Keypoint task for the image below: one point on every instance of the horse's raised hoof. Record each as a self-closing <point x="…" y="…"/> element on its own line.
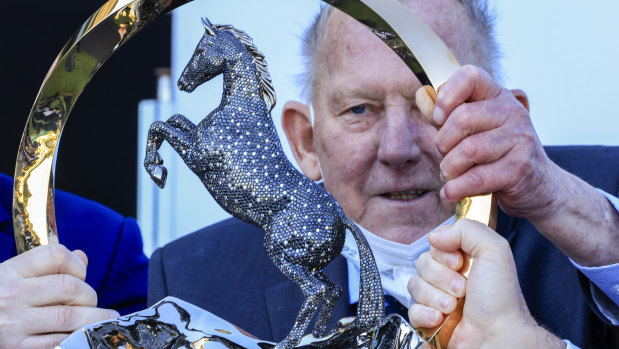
<point x="159" y="174"/>
<point x="158" y="159"/>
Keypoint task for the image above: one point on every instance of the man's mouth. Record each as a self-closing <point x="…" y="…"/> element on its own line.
<point x="405" y="195"/>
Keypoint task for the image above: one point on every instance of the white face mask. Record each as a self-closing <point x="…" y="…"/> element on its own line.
<point x="396" y="262"/>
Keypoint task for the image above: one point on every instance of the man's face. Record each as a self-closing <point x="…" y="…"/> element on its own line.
<point x="376" y="151"/>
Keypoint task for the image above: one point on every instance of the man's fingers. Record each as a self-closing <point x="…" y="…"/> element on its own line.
<point x="48" y="259"/>
<point x="425" y="294"/>
<point x="468" y="119"/>
<point x="64" y="318"/>
<point x="485" y="178"/>
<point x="477" y="149"/>
<point x="422" y="316"/>
<point x="467" y="84"/>
<point x="441" y="276"/>
<point x="58" y="289"/>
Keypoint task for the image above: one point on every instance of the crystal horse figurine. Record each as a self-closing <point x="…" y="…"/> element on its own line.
<point x="236" y="153"/>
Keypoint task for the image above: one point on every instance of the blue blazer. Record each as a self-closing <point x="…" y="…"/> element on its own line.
<point x="224" y="269"/>
<point x="117" y="266"/>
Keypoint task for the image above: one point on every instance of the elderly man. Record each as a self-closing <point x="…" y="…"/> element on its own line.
<point x="397" y="163"/>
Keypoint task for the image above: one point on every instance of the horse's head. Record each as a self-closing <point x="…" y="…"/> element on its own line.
<point x="207" y="60"/>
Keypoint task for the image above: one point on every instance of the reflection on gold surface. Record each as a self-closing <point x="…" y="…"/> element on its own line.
<point x="480" y="208"/>
<point x="125" y="19"/>
<point x="407" y="35"/>
<point x="33" y="199"/>
<point x="95" y="41"/>
<point x="32" y="190"/>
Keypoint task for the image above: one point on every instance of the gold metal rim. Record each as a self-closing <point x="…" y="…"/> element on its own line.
<point x="114" y="24"/>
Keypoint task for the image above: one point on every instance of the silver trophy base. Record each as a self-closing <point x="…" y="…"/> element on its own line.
<point x="173" y="323"/>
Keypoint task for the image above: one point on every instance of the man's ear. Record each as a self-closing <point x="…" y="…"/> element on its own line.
<point x="521" y="97"/>
<point x="298" y="128"/>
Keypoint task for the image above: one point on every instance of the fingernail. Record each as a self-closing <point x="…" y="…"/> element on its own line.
<point x="445" y="302"/>
<point x="114" y="314"/>
<point x="438" y="152"/>
<point x="442" y="176"/>
<point x="438" y="116"/>
<point x="457" y="286"/>
<point x="432" y="315"/>
<point x="442" y="194"/>
<point x="431" y="93"/>
<point x="432" y="236"/>
<point x="453" y="261"/>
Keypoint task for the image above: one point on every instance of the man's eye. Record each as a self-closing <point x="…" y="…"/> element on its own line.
<point x="358" y="109"/>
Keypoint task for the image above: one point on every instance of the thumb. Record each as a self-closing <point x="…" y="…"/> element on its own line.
<point x="473" y="238"/>
<point x="424" y="98"/>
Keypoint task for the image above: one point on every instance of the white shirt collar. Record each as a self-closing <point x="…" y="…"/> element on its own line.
<point x="395" y="261"/>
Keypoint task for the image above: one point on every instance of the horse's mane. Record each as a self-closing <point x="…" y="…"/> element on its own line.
<point x="268" y="92"/>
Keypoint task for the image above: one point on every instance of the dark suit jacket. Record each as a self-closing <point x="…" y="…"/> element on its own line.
<point x="117" y="266"/>
<point x="224" y="269"/>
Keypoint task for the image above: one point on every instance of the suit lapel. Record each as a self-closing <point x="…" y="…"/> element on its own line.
<point x="284" y="300"/>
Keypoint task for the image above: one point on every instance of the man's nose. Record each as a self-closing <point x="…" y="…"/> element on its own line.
<point x="399" y="139"/>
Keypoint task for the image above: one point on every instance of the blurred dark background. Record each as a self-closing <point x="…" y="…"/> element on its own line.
<point x="97" y="154"/>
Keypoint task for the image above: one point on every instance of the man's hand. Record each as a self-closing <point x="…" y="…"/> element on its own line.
<point x="495" y="314"/>
<point x="489" y="145"/>
<point x="43" y="297"/>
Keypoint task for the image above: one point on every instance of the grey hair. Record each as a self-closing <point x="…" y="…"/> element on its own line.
<point x="486" y="52"/>
<point x="310" y="46"/>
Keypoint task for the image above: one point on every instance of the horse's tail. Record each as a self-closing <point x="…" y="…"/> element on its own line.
<point x="371" y="306"/>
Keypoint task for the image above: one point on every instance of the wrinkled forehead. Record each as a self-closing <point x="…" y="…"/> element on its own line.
<point x="448" y="18"/>
<point x="341" y="37"/>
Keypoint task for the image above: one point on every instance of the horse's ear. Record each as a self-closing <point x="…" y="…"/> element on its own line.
<point x="208" y="26"/>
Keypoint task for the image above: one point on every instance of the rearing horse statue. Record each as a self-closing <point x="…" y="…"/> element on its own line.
<point x="236" y="153"/>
